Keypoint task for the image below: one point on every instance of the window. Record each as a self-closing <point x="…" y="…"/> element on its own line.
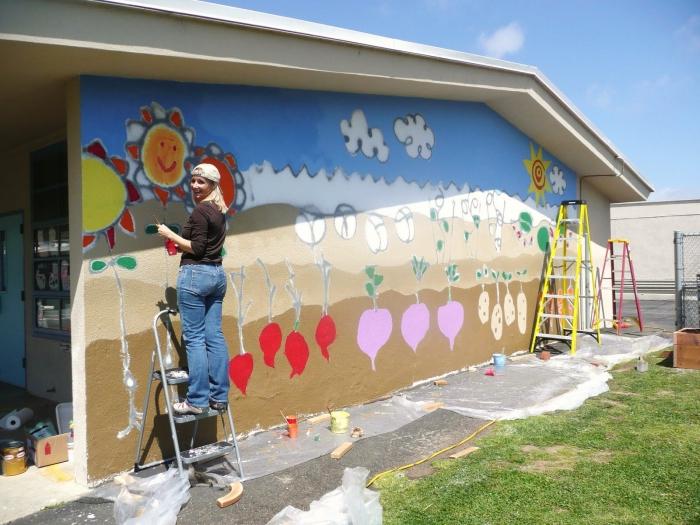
<point x="51" y="254"/>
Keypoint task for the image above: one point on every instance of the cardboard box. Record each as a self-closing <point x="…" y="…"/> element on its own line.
<point x="686" y="348"/>
<point x="48" y="450"/>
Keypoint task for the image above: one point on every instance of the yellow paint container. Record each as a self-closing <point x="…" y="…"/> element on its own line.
<point x="340" y="421"/>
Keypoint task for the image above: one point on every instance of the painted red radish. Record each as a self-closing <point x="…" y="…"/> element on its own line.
<point x="240" y="368"/>
<point x="270" y="338"/>
<point x="451" y="315"/>
<point x="325" y="329"/>
<point x="375" y="325"/>
<point x="296" y="350"/>
<point x="415" y="321"/>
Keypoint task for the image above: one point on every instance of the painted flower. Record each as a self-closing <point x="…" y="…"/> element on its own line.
<point x="106" y="195"/>
<point x="556" y="176"/>
<point x="231" y="182"/>
<point x="159" y="143"/>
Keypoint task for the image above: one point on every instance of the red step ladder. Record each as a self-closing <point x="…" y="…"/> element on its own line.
<point x="620" y="273"/>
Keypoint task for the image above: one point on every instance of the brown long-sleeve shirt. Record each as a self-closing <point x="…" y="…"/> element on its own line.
<point x="206" y="230"/>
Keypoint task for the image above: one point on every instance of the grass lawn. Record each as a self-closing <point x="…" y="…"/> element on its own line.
<point x="631" y="455"/>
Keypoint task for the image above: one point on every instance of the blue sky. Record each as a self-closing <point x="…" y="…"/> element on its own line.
<point x="631" y="66"/>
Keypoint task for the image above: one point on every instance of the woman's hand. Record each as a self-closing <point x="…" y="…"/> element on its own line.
<point x="166" y="232"/>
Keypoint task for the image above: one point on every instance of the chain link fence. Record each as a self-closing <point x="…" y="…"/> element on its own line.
<point x="687" y="261"/>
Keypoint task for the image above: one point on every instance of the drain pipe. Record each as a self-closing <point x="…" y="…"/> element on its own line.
<point x="616" y="175"/>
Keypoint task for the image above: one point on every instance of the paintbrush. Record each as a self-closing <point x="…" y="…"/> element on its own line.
<point x="157" y="221"/>
<point x="284" y="417"/>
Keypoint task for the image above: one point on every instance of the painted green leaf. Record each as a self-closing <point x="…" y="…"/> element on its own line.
<point x="477" y="220"/>
<point x="378" y="279"/>
<point x="151" y="229"/>
<point x="370" y="289"/>
<point x="175" y="228"/>
<point x="524" y="272"/>
<point x="440" y="245"/>
<point x="466" y="236"/>
<point x="543" y="239"/>
<point x="478" y="274"/>
<point x="494" y="274"/>
<point x="369" y="270"/>
<point x="525" y="221"/>
<point x="433" y="214"/>
<point x="98" y="266"/>
<point x="223" y="251"/>
<point x="127" y="262"/>
<point x="445" y="225"/>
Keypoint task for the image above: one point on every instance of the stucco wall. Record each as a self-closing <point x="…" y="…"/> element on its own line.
<point x="48" y="372"/>
<point x="408" y="232"/>
<point x="649" y="228"/>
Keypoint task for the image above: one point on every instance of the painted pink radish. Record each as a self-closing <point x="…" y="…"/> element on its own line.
<point x="240" y="367"/>
<point x="450" y="316"/>
<point x="270" y="338"/>
<point x="296" y="349"/>
<point x="375" y="325"/>
<point x="415" y="321"/>
<point x="325" y="329"/>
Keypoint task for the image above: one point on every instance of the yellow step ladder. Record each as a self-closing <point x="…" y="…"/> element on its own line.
<point x="568" y="301"/>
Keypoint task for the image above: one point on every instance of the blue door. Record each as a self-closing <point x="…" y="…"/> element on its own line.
<point x="11" y="303"/>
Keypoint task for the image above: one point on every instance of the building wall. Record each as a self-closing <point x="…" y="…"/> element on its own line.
<point x="373" y="242"/>
<point x="48" y="372"/>
<point x="649" y="226"/>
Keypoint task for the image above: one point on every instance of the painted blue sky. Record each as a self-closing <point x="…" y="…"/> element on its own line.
<point x="631" y="66"/>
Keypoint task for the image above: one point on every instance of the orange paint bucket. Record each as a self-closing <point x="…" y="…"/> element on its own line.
<point x="292" y="426"/>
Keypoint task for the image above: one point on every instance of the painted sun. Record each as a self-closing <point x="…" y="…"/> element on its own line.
<point x="159" y="142"/>
<point x="536" y="167"/>
<point x="231" y="179"/>
<point x="106" y="195"/>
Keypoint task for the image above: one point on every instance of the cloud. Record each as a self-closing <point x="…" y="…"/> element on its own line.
<point x="599" y="96"/>
<point x="689" y="33"/>
<point x="503" y="41"/>
<point x="414" y="133"/>
<point x="358" y="136"/>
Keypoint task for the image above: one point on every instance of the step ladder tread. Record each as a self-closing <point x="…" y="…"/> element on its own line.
<point x="557" y="316"/>
<point x="564" y="257"/>
<point x="206" y="452"/>
<point x="173" y="376"/>
<point x="559" y="296"/>
<point x="187" y="418"/>
<point x="559" y="337"/>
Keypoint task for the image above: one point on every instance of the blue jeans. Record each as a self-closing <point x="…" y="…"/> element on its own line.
<point x="200" y="292"/>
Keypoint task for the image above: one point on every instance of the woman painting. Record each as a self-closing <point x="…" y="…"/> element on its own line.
<point x="201" y="285"/>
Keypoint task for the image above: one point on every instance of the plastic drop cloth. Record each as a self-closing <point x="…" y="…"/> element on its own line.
<point x="349" y="504"/>
<point x="155" y="500"/>
<point x="526" y="386"/>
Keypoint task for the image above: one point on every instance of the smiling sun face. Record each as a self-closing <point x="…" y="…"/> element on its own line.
<point x="163" y="156"/>
<point x="536" y="167"/>
<point x="160" y="143"/>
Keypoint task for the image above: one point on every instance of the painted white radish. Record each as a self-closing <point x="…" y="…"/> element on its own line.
<point x="451" y="314"/>
<point x="522" y="305"/>
<point x="483" y="305"/>
<point x="345" y="221"/>
<point x="375" y="325"/>
<point x="508" y="304"/>
<point x="375" y="233"/>
<point x="497" y="314"/>
<point x="310" y="227"/>
<point x="403" y="222"/>
<point x="415" y="321"/>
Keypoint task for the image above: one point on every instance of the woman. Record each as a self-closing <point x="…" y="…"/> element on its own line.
<point x="201" y="285"/>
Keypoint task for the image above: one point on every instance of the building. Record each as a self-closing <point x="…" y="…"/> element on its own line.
<point x="404" y="193"/>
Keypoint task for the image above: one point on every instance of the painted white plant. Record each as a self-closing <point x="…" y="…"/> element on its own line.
<point x="522" y="304"/>
<point x="483" y="305"/>
<point x="310" y="227"/>
<point x="376" y="234"/>
<point x="508" y="304"/>
<point x="345" y="221"/>
<point x="497" y="315"/>
<point x="403" y="222"/>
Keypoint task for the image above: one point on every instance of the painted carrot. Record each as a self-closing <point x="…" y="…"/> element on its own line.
<point x="270" y="338"/>
<point x="325" y="329"/>
<point x="375" y="325"/>
<point x="415" y="321"/>
<point x="240" y="368"/>
<point x="296" y="350"/>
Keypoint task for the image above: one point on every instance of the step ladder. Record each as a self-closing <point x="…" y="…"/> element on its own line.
<point x="620" y="272"/>
<point x="177" y="376"/>
<point x="567" y="305"/>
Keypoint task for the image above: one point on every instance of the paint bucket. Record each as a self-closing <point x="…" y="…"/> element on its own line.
<point x="14" y="460"/>
<point x="499" y="360"/>
<point x="292" y="426"/>
<point x="340" y="421"/>
<point x="171" y="247"/>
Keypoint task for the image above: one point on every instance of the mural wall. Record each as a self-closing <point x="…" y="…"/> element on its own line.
<point x="373" y="242"/>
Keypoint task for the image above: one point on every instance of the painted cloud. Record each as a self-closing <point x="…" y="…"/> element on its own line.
<point x="359" y="136"/>
<point x="414" y="133"/>
<point x="556" y="176"/>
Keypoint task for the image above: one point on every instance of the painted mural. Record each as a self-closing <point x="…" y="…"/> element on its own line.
<point x="373" y="242"/>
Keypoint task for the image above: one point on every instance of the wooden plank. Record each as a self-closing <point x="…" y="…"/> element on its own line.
<point x="318" y="419"/>
<point x="464" y="452"/>
<point x="429" y="407"/>
<point x="440" y="382"/>
<point x="341" y="450"/>
<point x="686" y="356"/>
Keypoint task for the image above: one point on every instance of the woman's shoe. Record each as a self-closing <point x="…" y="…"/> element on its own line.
<point x="219" y="406"/>
<point x="184" y="408"/>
